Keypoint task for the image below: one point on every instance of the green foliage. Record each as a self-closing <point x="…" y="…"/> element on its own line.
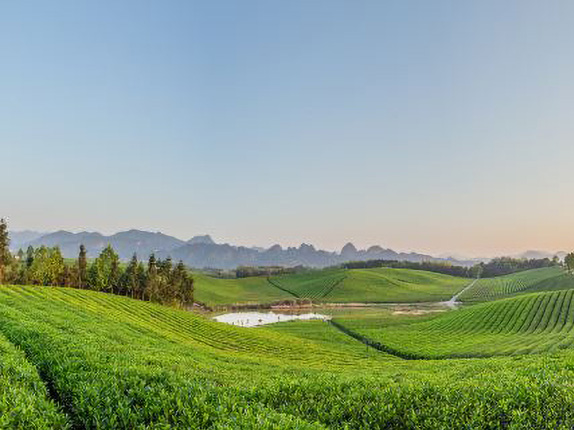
<point x="313" y="284"/>
<point x="550" y="278"/>
<point x="217" y="291"/>
<point x="395" y="285"/>
<point x="443" y="267"/>
<point x="332" y="285"/>
<point x="5" y="256"/>
<point x="104" y="272"/>
<point x="527" y="324"/>
<point x="507" y="265"/>
<point x="47" y="267"/>
<point x="117" y="363"/>
<point x="24" y="401"/>
<point x="82" y="267"/>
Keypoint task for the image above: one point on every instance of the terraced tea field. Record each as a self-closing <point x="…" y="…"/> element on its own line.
<point x="24" y="399"/>
<point x="546" y="279"/>
<point x="216" y="291"/>
<point x="386" y="285"/>
<point x="382" y="285"/>
<point x="315" y="285"/>
<point x="115" y="363"/>
<point x="533" y="323"/>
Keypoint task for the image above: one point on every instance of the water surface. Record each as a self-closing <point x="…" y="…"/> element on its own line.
<point x="253" y="319"/>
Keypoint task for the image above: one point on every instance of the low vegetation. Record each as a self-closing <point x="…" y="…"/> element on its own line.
<point x="387" y="285"/>
<point x="486" y="289"/>
<point x="75" y="358"/>
<point x="532" y="323"/>
<point x="24" y="399"/>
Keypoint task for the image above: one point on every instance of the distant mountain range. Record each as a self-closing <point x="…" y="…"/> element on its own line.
<point x="203" y="252"/>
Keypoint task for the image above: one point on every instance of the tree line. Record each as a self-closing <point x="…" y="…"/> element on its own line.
<point x="430" y="266"/>
<point x="496" y="267"/>
<point x="507" y="265"/>
<point x="158" y="280"/>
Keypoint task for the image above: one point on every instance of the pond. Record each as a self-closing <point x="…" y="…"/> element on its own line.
<point x="253" y="319"/>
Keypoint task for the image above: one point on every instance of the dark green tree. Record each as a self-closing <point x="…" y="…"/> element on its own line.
<point x="5" y="256"/>
<point x="29" y="256"/>
<point x="82" y="267"/>
<point x="152" y="281"/>
<point x="104" y="272"/>
<point x="130" y="280"/>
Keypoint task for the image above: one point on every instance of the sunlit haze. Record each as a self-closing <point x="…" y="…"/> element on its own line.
<point x="438" y="127"/>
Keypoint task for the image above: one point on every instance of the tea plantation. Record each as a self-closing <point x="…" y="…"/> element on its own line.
<point x="88" y="360"/>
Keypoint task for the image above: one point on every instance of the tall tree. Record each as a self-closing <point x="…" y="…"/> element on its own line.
<point x="140" y="291"/>
<point x="129" y="282"/>
<point x="104" y="272"/>
<point x="152" y="287"/>
<point x="183" y="285"/>
<point x="29" y="256"/>
<point x="82" y="267"/>
<point x="5" y="257"/>
<point x="569" y="261"/>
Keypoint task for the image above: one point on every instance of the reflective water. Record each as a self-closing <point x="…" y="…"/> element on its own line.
<point x="253" y="319"/>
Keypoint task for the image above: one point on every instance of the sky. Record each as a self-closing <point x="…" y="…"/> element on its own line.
<point x="438" y="127"/>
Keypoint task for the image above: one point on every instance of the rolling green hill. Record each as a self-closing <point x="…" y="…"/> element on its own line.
<point x="89" y="360"/>
<point x="382" y="285"/>
<point x="546" y="279"/>
<point x="216" y="291"/>
<point x="315" y="284"/>
<point x="395" y="285"/>
<point x="533" y="323"/>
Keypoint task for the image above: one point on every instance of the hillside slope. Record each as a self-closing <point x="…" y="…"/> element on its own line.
<point x="528" y="281"/>
<point x="382" y="285"/>
<point x="386" y="285"/>
<point x="115" y="363"/>
<point x="217" y="291"/>
<point x="532" y="323"/>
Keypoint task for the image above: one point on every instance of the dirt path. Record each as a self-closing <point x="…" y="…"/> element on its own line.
<point x="454" y="299"/>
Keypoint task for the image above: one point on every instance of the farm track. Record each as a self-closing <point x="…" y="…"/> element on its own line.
<point x="454" y="299"/>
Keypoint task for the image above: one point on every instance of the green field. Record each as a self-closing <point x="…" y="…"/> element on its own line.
<point x="316" y="284"/>
<point x="216" y="291"/>
<point x="533" y="323"/>
<point x="386" y="285"/>
<point x="546" y="279"/>
<point x="382" y="285"/>
<point x="92" y="360"/>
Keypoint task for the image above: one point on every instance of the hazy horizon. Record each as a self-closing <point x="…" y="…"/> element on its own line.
<point x="441" y="127"/>
<point x="296" y="244"/>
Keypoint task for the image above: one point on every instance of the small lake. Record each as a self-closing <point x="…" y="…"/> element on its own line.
<point x="254" y="319"/>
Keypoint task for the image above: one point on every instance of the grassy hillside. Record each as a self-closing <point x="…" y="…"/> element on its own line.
<point x="115" y="363"/>
<point x="533" y="323"/>
<point x="216" y="291"/>
<point x="380" y="285"/>
<point x="546" y="279"/>
<point x="316" y="284"/>
<point x="24" y="398"/>
<point x="395" y="285"/>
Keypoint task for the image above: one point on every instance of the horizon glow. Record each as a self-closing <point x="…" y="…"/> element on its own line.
<point x="439" y="128"/>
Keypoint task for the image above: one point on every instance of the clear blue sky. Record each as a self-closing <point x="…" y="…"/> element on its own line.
<point x="419" y="125"/>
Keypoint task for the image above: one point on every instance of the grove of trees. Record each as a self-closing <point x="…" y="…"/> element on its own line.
<point x="158" y="280"/>
<point x="507" y="265"/>
<point x="430" y="266"/>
